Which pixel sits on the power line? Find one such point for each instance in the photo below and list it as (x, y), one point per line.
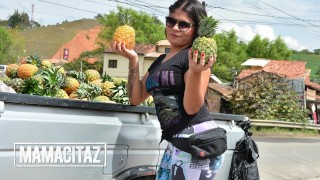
(263, 15)
(301, 26)
(140, 6)
(224, 5)
(288, 14)
(69, 7)
(261, 22)
(235, 34)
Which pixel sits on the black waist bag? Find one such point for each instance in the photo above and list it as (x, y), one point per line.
(203, 145)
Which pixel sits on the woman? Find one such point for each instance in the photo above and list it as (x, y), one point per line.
(178, 85)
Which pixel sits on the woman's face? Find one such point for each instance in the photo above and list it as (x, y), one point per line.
(175, 36)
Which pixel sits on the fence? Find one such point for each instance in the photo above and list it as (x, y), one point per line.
(284, 124)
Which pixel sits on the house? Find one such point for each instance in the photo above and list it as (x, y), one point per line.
(295, 72)
(217, 97)
(117, 66)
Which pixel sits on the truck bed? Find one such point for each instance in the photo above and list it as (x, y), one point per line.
(131, 134)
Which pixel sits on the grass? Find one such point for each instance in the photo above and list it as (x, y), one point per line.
(46, 41)
(313, 63)
(277, 131)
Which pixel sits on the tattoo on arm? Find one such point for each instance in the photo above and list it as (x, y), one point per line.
(132, 79)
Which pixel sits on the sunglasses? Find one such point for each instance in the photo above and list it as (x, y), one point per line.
(182, 25)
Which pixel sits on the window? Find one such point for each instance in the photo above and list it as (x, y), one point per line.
(112, 63)
(167, 50)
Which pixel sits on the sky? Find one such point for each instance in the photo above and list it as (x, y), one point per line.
(297, 22)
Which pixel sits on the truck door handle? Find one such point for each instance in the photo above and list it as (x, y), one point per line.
(146, 116)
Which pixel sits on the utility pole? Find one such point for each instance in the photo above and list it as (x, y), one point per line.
(32, 10)
(234, 75)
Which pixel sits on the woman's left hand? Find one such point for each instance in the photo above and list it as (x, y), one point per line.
(201, 66)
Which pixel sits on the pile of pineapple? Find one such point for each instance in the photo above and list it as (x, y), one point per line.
(40, 77)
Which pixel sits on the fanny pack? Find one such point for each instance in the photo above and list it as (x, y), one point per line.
(203, 145)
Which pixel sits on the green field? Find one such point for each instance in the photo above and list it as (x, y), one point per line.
(46, 41)
(313, 63)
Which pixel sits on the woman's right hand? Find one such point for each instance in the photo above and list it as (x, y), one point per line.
(121, 49)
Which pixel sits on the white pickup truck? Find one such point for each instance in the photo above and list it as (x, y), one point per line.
(131, 135)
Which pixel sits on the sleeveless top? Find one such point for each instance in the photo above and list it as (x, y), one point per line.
(166, 84)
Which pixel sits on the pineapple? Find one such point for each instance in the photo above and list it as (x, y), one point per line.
(5, 79)
(73, 96)
(88, 91)
(91, 75)
(119, 81)
(26, 70)
(11, 70)
(61, 70)
(205, 43)
(102, 99)
(125, 33)
(107, 88)
(16, 84)
(61, 94)
(148, 102)
(71, 85)
(46, 64)
(97, 82)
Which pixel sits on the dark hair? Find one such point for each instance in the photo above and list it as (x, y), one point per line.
(193, 8)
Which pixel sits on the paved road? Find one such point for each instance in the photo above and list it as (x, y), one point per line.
(288, 158)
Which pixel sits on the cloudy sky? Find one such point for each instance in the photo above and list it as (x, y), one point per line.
(296, 21)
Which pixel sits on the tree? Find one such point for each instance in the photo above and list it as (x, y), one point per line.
(316, 51)
(21, 21)
(304, 51)
(231, 54)
(148, 28)
(258, 48)
(278, 50)
(5, 45)
(267, 96)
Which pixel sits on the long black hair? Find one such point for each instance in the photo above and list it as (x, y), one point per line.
(193, 8)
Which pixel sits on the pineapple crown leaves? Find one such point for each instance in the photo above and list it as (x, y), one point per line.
(207, 26)
(80, 76)
(119, 93)
(124, 17)
(32, 86)
(106, 77)
(53, 80)
(35, 60)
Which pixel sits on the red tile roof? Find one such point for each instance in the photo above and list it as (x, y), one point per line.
(163, 43)
(153, 55)
(223, 90)
(312, 85)
(284, 68)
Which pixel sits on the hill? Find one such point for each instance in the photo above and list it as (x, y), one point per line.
(313, 63)
(46, 41)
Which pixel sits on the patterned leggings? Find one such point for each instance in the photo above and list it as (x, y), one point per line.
(179, 165)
